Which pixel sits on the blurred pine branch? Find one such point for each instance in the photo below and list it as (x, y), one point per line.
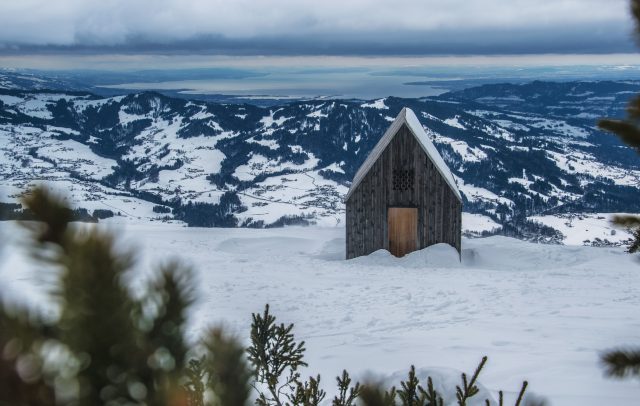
(622, 363)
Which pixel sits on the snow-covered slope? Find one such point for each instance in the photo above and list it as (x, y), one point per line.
(517, 152)
(539, 312)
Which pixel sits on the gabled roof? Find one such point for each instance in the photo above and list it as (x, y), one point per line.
(408, 118)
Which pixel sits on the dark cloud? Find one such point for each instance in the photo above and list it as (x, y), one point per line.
(577, 40)
(287, 27)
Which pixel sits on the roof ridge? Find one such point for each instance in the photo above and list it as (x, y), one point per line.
(408, 117)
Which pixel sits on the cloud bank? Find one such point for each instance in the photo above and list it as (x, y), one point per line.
(328, 27)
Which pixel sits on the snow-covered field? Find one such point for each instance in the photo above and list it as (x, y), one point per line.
(540, 312)
(585, 228)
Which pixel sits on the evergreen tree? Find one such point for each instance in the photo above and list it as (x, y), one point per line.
(373, 395)
(308, 393)
(635, 245)
(229, 375)
(411, 393)
(432, 397)
(276, 358)
(626, 362)
(107, 346)
(21, 342)
(469, 388)
(347, 394)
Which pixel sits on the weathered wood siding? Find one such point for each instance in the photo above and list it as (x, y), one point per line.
(439, 211)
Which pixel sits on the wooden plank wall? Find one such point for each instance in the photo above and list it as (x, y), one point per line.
(439, 210)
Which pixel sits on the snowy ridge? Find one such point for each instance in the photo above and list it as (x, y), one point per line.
(408, 118)
(231, 164)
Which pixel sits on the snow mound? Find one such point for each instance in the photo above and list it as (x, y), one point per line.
(434, 256)
(497, 253)
(332, 250)
(275, 246)
(510, 254)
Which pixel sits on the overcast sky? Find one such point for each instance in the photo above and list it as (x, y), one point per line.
(319, 27)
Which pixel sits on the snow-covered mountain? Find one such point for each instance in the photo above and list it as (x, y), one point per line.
(518, 152)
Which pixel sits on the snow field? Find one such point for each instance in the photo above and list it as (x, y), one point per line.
(467, 153)
(300, 194)
(376, 104)
(475, 223)
(541, 313)
(588, 226)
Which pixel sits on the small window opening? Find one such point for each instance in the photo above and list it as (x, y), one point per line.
(403, 179)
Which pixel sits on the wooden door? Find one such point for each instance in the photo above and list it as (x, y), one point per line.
(403, 230)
